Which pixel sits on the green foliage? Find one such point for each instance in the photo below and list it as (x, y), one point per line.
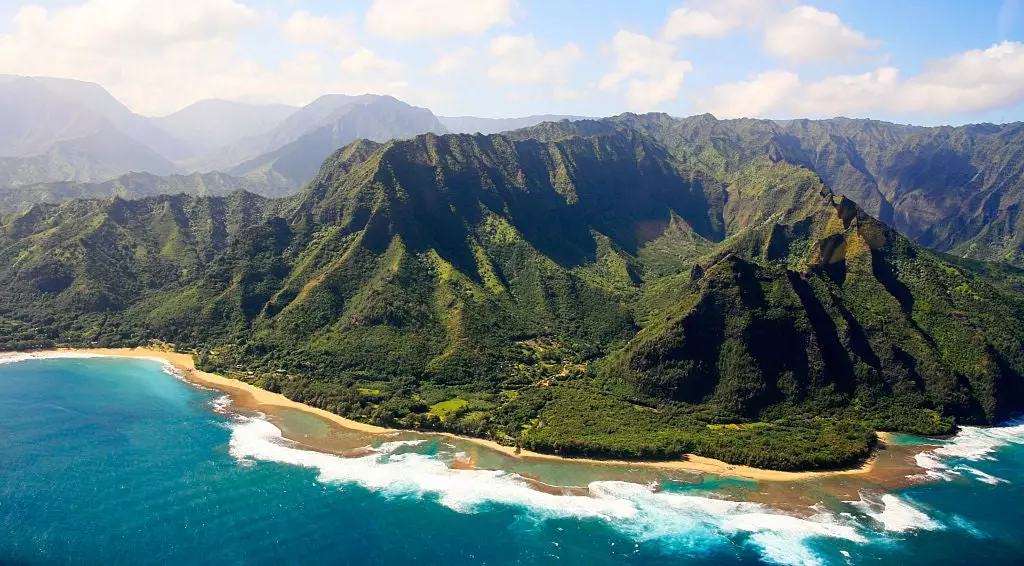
(630, 288)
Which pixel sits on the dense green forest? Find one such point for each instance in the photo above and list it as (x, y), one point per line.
(617, 288)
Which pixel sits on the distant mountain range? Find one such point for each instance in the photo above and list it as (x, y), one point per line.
(958, 190)
(292, 152)
(471, 125)
(135, 186)
(211, 125)
(66, 131)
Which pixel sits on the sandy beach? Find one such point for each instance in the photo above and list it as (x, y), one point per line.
(234, 387)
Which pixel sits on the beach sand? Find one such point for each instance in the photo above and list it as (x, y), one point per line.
(261, 397)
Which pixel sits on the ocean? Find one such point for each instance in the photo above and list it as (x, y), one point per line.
(118, 461)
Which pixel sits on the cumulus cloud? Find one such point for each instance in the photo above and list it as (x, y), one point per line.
(759, 96)
(154, 56)
(716, 19)
(973, 81)
(409, 20)
(364, 72)
(326, 31)
(798, 34)
(687, 22)
(806, 34)
(648, 67)
(453, 61)
(519, 60)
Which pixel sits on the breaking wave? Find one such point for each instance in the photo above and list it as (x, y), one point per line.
(675, 519)
(895, 514)
(29, 356)
(971, 444)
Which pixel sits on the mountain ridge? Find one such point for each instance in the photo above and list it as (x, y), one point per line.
(211, 124)
(526, 278)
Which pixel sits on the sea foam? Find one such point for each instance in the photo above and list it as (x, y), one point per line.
(971, 444)
(29, 356)
(693, 522)
(895, 514)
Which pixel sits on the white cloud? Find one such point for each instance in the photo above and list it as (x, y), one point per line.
(688, 22)
(117, 25)
(408, 20)
(519, 60)
(757, 97)
(648, 67)
(718, 18)
(154, 56)
(974, 81)
(364, 72)
(365, 61)
(806, 34)
(453, 61)
(335, 33)
(800, 34)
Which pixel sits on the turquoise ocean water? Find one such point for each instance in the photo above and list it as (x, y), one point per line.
(114, 461)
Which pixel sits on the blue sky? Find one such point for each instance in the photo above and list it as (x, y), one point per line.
(915, 61)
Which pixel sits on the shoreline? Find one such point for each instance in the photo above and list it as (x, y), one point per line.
(693, 463)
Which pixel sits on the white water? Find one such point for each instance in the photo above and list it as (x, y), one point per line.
(16, 358)
(895, 514)
(971, 444)
(693, 522)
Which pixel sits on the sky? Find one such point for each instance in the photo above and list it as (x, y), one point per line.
(911, 61)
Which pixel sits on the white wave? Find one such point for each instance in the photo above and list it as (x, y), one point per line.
(389, 447)
(29, 356)
(934, 467)
(977, 444)
(968, 526)
(895, 514)
(222, 404)
(671, 518)
(165, 366)
(972, 444)
(982, 476)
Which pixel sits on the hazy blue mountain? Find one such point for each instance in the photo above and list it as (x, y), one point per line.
(473, 125)
(366, 116)
(96, 157)
(133, 186)
(375, 118)
(46, 137)
(209, 125)
(33, 118)
(141, 129)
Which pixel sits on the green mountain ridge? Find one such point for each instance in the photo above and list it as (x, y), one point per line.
(135, 186)
(585, 289)
(956, 190)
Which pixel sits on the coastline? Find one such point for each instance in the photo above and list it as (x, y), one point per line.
(185, 364)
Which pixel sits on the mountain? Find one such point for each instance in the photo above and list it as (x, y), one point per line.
(33, 118)
(102, 155)
(376, 118)
(353, 117)
(209, 125)
(580, 288)
(956, 190)
(45, 137)
(133, 186)
(141, 129)
(472, 125)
